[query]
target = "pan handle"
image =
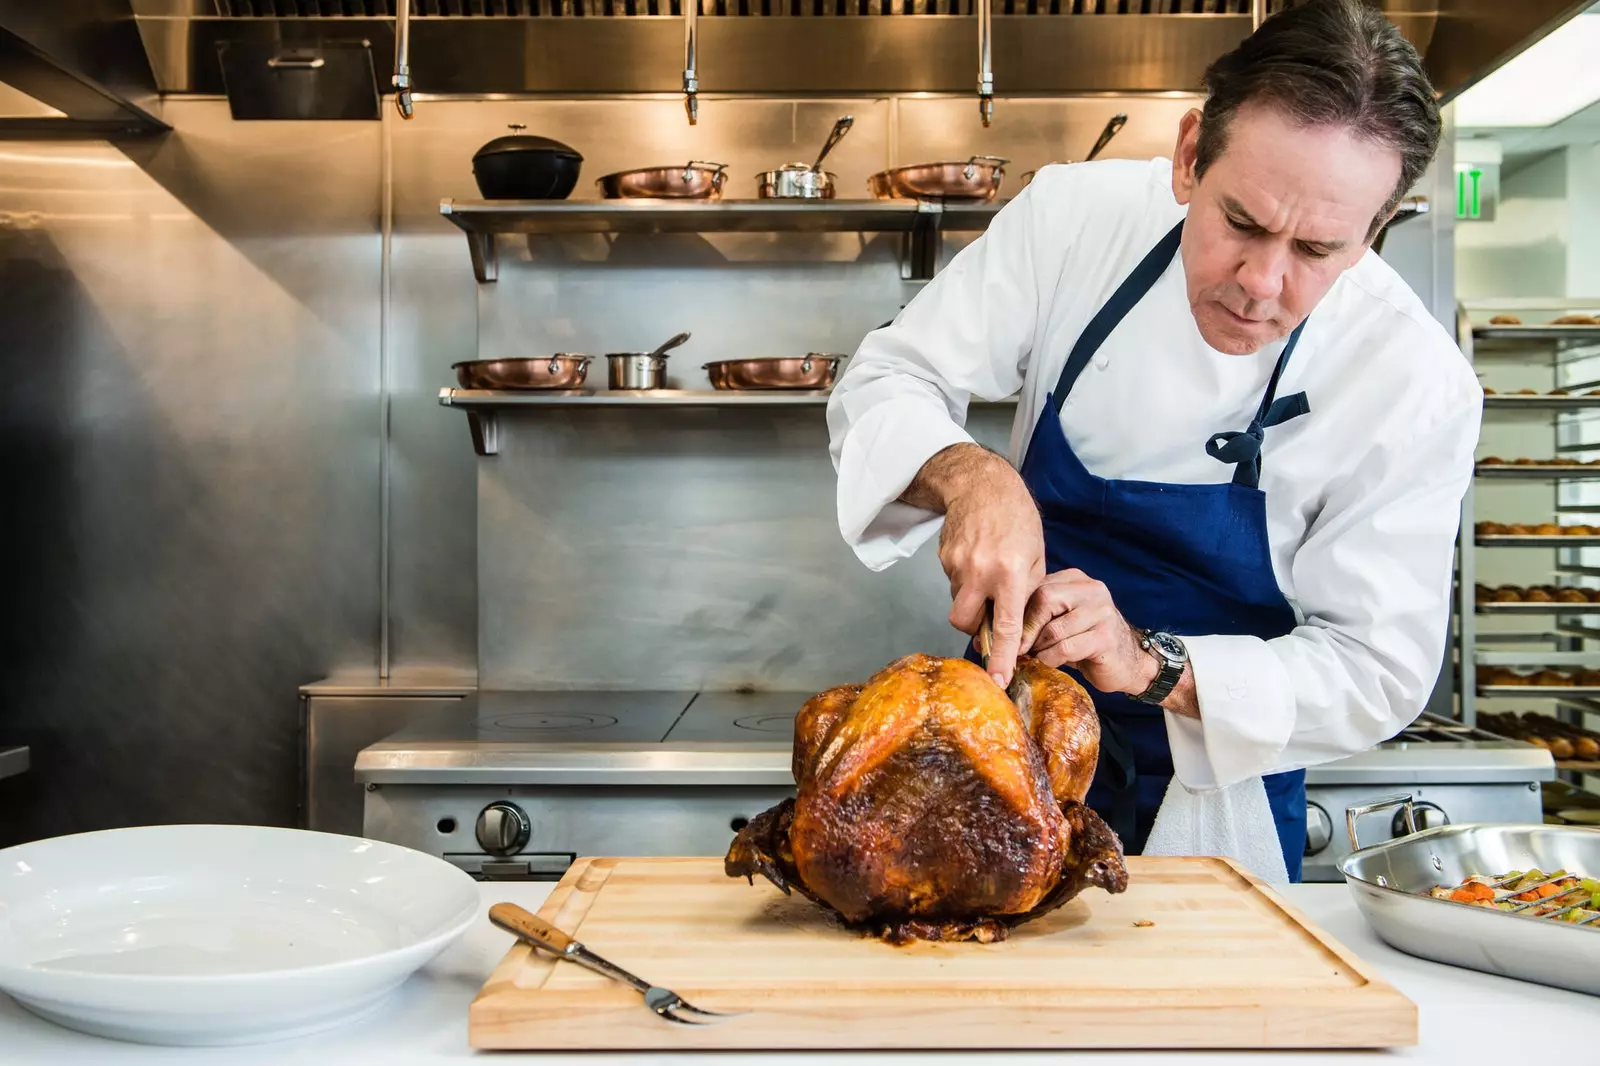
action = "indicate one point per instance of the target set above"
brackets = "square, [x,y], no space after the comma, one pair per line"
[972,164]
[1113,128]
[1352,814]
[688,169]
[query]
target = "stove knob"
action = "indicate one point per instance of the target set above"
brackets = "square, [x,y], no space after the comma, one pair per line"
[1319,828]
[503,829]
[1428,816]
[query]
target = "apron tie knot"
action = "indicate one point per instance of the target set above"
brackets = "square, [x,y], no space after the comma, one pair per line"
[1245,447]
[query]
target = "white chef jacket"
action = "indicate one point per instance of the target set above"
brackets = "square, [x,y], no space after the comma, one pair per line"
[1362,493]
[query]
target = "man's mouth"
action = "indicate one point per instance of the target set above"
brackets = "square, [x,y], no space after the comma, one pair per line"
[1240,320]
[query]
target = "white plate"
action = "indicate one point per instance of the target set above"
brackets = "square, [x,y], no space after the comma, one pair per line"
[219,934]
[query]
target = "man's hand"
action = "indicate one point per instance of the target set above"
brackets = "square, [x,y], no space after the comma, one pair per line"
[992,544]
[1071,621]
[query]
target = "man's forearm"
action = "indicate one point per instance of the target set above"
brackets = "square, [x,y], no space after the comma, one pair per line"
[946,475]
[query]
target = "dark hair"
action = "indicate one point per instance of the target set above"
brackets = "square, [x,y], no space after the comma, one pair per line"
[1328,62]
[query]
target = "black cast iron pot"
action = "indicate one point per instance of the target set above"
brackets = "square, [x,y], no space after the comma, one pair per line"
[521,167]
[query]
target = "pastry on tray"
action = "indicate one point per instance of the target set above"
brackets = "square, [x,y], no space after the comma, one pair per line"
[1526,392]
[1505,320]
[1490,529]
[1578,531]
[1491,460]
[1537,596]
[1507,594]
[1571,596]
[1547,529]
[1551,678]
[1574,320]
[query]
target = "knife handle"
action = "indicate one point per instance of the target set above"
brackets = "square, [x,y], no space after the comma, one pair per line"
[986,634]
[519,922]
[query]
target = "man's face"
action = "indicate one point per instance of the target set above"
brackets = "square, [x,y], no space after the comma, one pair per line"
[1278,216]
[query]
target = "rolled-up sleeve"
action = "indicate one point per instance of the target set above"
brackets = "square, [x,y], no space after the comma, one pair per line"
[903,397]
[1373,581]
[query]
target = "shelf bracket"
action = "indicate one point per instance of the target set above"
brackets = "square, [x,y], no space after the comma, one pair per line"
[919,253]
[485,426]
[485,257]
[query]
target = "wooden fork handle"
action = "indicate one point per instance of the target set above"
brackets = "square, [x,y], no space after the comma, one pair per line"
[513,919]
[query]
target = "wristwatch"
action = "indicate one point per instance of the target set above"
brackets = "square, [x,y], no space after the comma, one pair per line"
[1171,655]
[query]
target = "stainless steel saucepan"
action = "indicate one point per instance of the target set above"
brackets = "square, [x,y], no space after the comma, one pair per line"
[797,181]
[642,370]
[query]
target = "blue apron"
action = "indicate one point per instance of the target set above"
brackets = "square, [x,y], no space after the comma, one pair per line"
[1188,559]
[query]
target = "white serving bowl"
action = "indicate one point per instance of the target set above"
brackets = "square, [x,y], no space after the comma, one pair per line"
[219,934]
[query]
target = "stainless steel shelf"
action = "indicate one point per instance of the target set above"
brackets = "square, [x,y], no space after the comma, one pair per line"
[1508,470]
[1536,608]
[13,761]
[481,405]
[1513,540]
[1510,402]
[1502,338]
[1539,692]
[921,223]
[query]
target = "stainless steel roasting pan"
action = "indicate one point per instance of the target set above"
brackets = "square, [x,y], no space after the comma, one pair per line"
[1391,880]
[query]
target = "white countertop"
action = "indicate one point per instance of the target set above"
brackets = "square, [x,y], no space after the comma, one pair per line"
[1466,1017]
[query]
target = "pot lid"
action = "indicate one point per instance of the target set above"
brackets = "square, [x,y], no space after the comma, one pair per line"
[516,142]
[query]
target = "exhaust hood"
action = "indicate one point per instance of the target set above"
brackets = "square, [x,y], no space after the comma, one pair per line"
[74,68]
[757,47]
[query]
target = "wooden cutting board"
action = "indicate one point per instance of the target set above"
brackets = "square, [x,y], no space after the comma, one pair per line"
[1225,963]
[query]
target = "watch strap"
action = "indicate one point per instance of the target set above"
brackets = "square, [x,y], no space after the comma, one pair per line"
[1167,675]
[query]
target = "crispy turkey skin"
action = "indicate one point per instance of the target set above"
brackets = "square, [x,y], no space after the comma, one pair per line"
[933,805]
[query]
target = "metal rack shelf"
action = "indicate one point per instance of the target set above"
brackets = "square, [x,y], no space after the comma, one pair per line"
[1504,338]
[921,223]
[481,405]
[1519,540]
[1511,402]
[1538,607]
[1509,470]
[1539,692]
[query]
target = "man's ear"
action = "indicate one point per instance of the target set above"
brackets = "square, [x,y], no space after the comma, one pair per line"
[1184,154]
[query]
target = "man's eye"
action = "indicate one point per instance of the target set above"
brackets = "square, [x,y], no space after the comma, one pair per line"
[1312,253]
[1242,227]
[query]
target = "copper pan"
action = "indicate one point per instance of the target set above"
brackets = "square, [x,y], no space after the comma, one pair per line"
[977,179]
[563,370]
[692,181]
[814,370]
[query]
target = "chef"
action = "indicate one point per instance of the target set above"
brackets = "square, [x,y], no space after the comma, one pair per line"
[1240,449]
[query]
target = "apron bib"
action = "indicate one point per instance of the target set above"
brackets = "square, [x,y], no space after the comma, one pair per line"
[1192,560]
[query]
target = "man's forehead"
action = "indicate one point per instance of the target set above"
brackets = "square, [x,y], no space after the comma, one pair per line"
[1279,171]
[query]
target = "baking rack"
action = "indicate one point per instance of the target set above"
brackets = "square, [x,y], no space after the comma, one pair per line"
[1570,355]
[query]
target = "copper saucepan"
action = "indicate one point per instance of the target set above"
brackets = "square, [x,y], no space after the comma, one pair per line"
[814,370]
[563,370]
[693,180]
[977,179]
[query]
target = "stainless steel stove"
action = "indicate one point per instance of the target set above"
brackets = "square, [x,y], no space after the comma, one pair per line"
[518,784]
[515,785]
[1456,774]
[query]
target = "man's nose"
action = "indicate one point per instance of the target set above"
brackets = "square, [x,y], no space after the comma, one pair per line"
[1260,275]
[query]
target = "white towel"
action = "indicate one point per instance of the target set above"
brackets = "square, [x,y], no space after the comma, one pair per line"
[1235,821]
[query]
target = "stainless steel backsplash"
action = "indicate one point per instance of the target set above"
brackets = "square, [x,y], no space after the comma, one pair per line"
[206,392]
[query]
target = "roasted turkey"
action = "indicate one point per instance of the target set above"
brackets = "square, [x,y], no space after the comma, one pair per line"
[932,804]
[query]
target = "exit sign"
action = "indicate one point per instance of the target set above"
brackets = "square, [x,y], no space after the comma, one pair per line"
[1477,191]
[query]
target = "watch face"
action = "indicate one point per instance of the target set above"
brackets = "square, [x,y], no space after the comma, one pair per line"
[1169,646]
